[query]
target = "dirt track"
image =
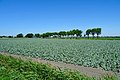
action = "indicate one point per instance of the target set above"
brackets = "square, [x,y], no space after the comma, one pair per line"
[89,71]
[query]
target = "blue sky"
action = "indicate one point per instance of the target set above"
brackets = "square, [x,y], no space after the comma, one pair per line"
[38,16]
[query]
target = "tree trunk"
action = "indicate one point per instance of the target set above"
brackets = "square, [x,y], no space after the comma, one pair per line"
[97,36]
[88,36]
[93,36]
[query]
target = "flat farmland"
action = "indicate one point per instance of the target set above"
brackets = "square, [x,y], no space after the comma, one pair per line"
[103,54]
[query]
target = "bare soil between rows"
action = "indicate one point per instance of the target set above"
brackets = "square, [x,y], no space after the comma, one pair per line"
[89,71]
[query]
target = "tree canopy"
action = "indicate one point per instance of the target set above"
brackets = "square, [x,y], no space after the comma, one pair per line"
[29,35]
[75,33]
[93,32]
[19,35]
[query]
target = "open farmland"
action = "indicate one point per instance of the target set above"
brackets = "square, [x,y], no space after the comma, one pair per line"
[90,53]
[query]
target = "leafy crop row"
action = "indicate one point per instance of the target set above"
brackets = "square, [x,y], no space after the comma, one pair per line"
[90,53]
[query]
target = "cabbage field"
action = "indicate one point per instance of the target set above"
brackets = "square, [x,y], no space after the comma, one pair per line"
[90,53]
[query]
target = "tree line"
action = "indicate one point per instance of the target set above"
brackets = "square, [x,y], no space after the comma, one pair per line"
[93,32]
[75,33]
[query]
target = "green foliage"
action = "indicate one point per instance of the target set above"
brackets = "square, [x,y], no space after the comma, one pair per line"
[10,36]
[45,35]
[88,32]
[77,32]
[93,32]
[62,34]
[98,31]
[19,35]
[16,69]
[29,35]
[37,35]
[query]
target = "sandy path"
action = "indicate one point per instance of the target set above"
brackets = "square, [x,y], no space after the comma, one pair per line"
[89,71]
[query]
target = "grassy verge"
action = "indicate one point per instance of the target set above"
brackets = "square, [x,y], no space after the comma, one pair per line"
[17,69]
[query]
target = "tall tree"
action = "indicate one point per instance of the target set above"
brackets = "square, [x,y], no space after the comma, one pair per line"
[98,31]
[55,34]
[49,34]
[93,31]
[10,36]
[37,35]
[19,35]
[88,32]
[78,32]
[29,35]
[72,33]
[68,33]
[62,33]
[44,35]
